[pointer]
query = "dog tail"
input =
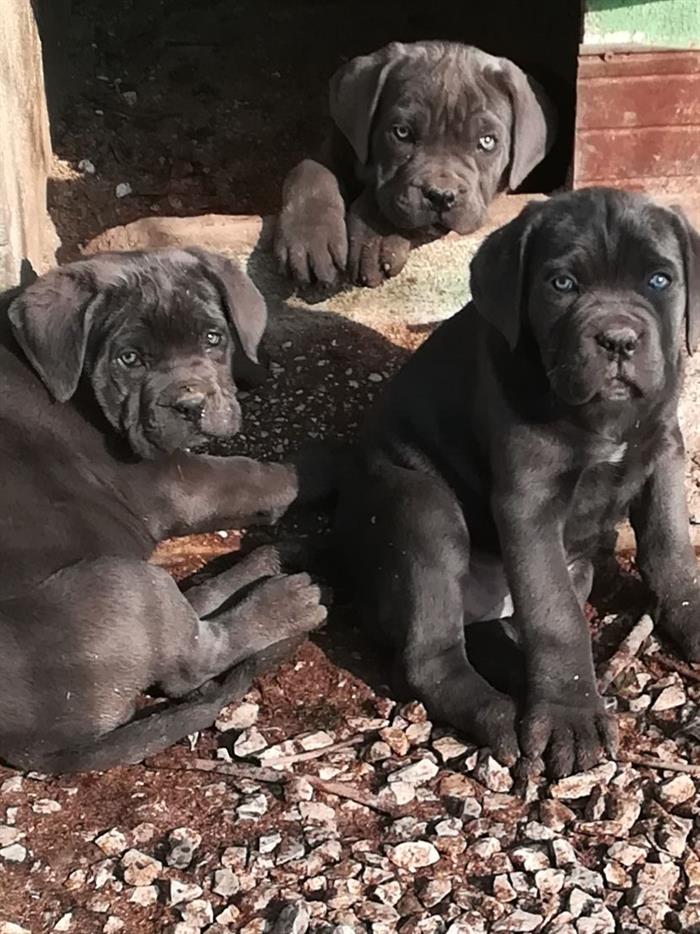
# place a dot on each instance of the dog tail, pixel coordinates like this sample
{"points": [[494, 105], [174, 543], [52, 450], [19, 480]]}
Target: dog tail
{"points": [[156, 729]]}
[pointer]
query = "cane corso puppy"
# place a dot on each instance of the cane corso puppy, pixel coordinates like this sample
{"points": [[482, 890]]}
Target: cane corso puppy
{"points": [[110, 370], [424, 135], [506, 450]]}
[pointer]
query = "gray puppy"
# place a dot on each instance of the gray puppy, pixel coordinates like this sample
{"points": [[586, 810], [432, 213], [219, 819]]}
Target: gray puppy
{"points": [[110, 369], [425, 134], [499, 460]]}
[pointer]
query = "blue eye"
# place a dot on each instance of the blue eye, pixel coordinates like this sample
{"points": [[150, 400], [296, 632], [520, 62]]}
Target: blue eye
{"points": [[659, 281], [564, 283]]}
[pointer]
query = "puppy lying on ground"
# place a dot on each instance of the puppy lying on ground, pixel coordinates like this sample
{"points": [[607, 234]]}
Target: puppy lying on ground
{"points": [[424, 135], [501, 457], [110, 370]]}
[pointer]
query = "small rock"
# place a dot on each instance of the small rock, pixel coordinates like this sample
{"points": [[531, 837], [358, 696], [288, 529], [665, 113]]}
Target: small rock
{"points": [[530, 858], [418, 734], [241, 717], [144, 895], [537, 832], [378, 752], [9, 835], [112, 842], [64, 922], [503, 890], [669, 698], [112, 925], [491, 773], [182, 844], [9, 927], [252, 807], [449, 827], [626, 854], [182, 927], [316, 811], [449, 748], [225, 883], [249, 742], [76, 880], [140, 869], [581, 784], [198, 912], [123, 189], [143, 833], [12, 785], [183, 891], [677, 790], [229, 916], [518, 921], [15, 853], [293, 919], [586, 879], [389, 892], [235, 857], [46, 806], [413, 855], [414, 712], [433, 891], [269, 843], [289, 851], [415, 773], [86, 166], [563, 853], [298, 789], [311, 741], [395, 739], [401, 792], [579, 901], [549, 882]]}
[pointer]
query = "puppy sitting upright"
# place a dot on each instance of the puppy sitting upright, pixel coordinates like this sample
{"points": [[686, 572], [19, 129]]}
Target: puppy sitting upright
{"points": [[501, 457], [424, 136], [110, 369]]}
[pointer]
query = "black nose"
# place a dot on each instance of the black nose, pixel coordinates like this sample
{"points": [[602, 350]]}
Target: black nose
{"points": [[621, 341], [441, 198], [190, 404]]}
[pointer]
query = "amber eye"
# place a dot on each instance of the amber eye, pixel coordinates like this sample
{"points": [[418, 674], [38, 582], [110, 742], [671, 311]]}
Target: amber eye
{"points": [[564, 283], [402, 132], [487, 143], [129, 359], [214, 338]]}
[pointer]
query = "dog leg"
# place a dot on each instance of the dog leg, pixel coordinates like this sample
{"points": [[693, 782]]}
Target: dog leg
{"points": [[183, 494], [665, 554], [279, 608], [209, 596], [565, 717], [375, 250], [407, 548], [311, 236]]}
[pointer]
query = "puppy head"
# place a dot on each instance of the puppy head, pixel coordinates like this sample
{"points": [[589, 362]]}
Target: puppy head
{"points": [[438, 129], [157, 334], [606, 282]]}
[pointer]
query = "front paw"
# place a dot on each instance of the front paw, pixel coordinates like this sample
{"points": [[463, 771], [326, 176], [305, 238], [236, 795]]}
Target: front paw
{"points": [[311, 243], [680, 622], [375, 253], [287, 605], [569, 737]]}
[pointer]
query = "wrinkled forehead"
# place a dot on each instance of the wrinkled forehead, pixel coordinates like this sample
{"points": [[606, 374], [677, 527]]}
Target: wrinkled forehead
{"points": [[167, 304], [607, 241], [445, 95]]}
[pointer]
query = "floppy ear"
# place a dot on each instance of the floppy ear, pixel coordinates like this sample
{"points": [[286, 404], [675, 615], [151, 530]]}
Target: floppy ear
{"points": [[497, 275], [245, 306], [690, 244], [534, 121], [51, 321], [355, 90]]}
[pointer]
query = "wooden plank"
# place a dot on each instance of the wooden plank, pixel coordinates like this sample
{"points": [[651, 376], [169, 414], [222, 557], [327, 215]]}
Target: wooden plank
{"points": [[639, 101], [652, 152], [613, 63]]}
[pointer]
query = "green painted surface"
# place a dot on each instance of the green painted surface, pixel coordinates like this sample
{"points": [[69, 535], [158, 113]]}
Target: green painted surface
{"points": [[674, 23]]}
